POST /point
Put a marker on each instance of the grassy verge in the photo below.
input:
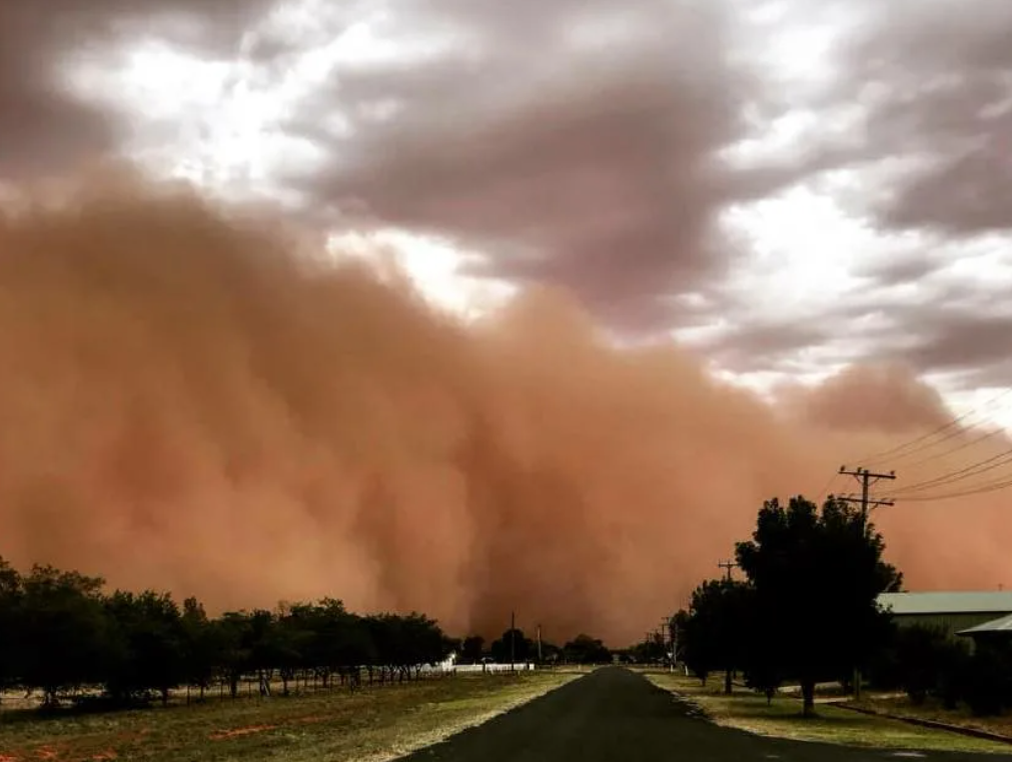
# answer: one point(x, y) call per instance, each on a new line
point(375, 724)
point(748, 711)
point(901, 706)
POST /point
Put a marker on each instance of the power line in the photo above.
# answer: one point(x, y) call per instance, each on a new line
point(974, 469)
point(976, 440)
point(825, 489)
point(980, 490)
point(897, 452)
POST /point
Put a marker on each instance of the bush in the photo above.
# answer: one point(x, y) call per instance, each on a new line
point(988, 680)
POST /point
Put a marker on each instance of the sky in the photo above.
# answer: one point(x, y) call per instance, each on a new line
point(789, 192)
point(791, 187)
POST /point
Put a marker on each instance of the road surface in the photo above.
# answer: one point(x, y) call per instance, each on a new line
point(613, 715)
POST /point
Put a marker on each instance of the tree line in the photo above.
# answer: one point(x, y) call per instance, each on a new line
point(513, 644)
point(807, 611)
point(61, 632)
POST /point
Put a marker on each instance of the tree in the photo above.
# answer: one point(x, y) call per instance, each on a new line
point(200, 646)
point(817, 576)
point(10, 603)
point(513, 644)
point(149, 655)
point(714, 634)
point(918, 651)
point(62, 636)
point(583, 649)
point(472, 648)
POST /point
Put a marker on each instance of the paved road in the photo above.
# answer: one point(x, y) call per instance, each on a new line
point(613, 715)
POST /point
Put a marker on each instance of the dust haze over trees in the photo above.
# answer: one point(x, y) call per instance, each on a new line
point(175, 373)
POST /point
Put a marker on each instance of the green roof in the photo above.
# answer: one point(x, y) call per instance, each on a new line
point(1004, 624)
point(993, 602)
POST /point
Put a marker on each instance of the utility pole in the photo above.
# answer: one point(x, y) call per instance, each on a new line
point(513, 640)
point(866, 479)
point(666, 625)
point(539, 646)
point(727, 566)
point(674, 643)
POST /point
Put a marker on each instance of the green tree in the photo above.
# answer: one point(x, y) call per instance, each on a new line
point(148, 636)
point(817, 576)
point(201, 647)
point(714, 634)
point(63, 633)
point(10, 603)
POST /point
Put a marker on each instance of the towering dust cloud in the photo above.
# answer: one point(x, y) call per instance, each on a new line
point(187, 403)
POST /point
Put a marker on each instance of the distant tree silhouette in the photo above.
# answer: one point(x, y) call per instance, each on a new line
point(472, 649)
point(524, 649)
point(146, 642)
point(62, 632)
point(715, 633)
point(816, 576)
point(200, 645)
point(10, 607)
point(583, 649)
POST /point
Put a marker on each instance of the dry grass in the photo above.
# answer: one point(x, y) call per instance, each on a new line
point(901, 706)
point(373, 725)
point(748, 711)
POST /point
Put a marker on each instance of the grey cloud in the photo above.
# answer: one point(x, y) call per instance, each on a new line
point(946, 325)
point(45, 126)
point(935, 80)
point(767, 346)
point(962, 340)
point(593, 169)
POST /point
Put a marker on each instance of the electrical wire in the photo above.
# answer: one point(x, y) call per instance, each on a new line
point(982, 489)
point(902, 450)
point(976, 440)
point(974, 469)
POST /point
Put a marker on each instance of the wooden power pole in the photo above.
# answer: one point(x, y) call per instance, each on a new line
point(513, 639)
point(727, 566)
point(866, 478)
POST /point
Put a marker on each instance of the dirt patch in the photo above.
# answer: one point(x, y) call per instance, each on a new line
point(239, 732)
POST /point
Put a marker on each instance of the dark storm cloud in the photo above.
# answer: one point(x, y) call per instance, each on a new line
point(935, 80)
point(767, 346)
point(44, 125)
point(959, 340)
point(594, 168)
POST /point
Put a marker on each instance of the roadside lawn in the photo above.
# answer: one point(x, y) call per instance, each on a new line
point(373, 724)
point(748, 711)
point(901, 706)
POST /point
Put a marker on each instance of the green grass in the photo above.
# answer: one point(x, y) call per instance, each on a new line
point(373, 724)
point(748, 711)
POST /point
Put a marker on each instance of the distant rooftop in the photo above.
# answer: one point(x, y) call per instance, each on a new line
point(993, 602)
point(995, 625)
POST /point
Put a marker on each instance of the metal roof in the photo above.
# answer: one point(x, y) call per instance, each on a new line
point(995, 625)
point(992, 602)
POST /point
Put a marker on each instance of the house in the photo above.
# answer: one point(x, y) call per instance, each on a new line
point(956, 612)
